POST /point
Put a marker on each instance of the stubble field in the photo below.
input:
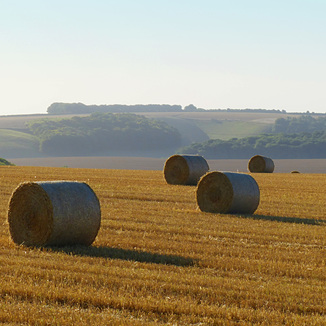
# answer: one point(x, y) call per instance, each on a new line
point(158, 260)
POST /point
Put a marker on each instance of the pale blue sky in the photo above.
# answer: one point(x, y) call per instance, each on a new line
point(268, 54)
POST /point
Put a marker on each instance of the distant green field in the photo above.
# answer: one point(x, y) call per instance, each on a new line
point(227, 129)
point(18, 144)
point(201, 126)
point(199, 130)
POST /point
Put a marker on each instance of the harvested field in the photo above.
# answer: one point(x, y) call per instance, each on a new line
point(158, 260)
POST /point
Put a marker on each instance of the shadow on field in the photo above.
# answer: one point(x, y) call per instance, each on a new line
point(125, 254)
point(284, 219)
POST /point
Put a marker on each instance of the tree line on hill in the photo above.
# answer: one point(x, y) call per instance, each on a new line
point(103, 134)
point(280, 145)
point(305, 123)
point(80, 108)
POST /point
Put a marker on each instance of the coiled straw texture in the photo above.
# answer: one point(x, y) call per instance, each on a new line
point(231, 193)
point(185, 169)
point(54, 213)
point(261, 164)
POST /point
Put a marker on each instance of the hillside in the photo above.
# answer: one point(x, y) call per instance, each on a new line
point(219, 124)
point(104, 134)
point(158, 260)
point(193, 127)
point(15, 144)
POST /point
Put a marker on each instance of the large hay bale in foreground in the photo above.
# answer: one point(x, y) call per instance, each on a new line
point(54, 213)
point(261, 164)
point(227, 192)
point(185, 169)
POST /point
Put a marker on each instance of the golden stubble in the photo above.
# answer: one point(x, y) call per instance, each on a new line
point(159, 260)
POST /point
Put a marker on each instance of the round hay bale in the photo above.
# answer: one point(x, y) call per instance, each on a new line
point(185, 169)
point(261, 164)
point(54, 213)
point(228, 193)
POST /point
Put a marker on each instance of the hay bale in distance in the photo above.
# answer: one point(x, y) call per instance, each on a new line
point(228, 193)
point(54, 213)
point(185, 169)
point(260, 164)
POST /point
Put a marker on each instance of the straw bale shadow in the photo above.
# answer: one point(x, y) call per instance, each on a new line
point(285, 219)
point(125, 254)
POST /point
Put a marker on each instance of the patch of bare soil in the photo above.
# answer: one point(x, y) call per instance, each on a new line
point(146, 163)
